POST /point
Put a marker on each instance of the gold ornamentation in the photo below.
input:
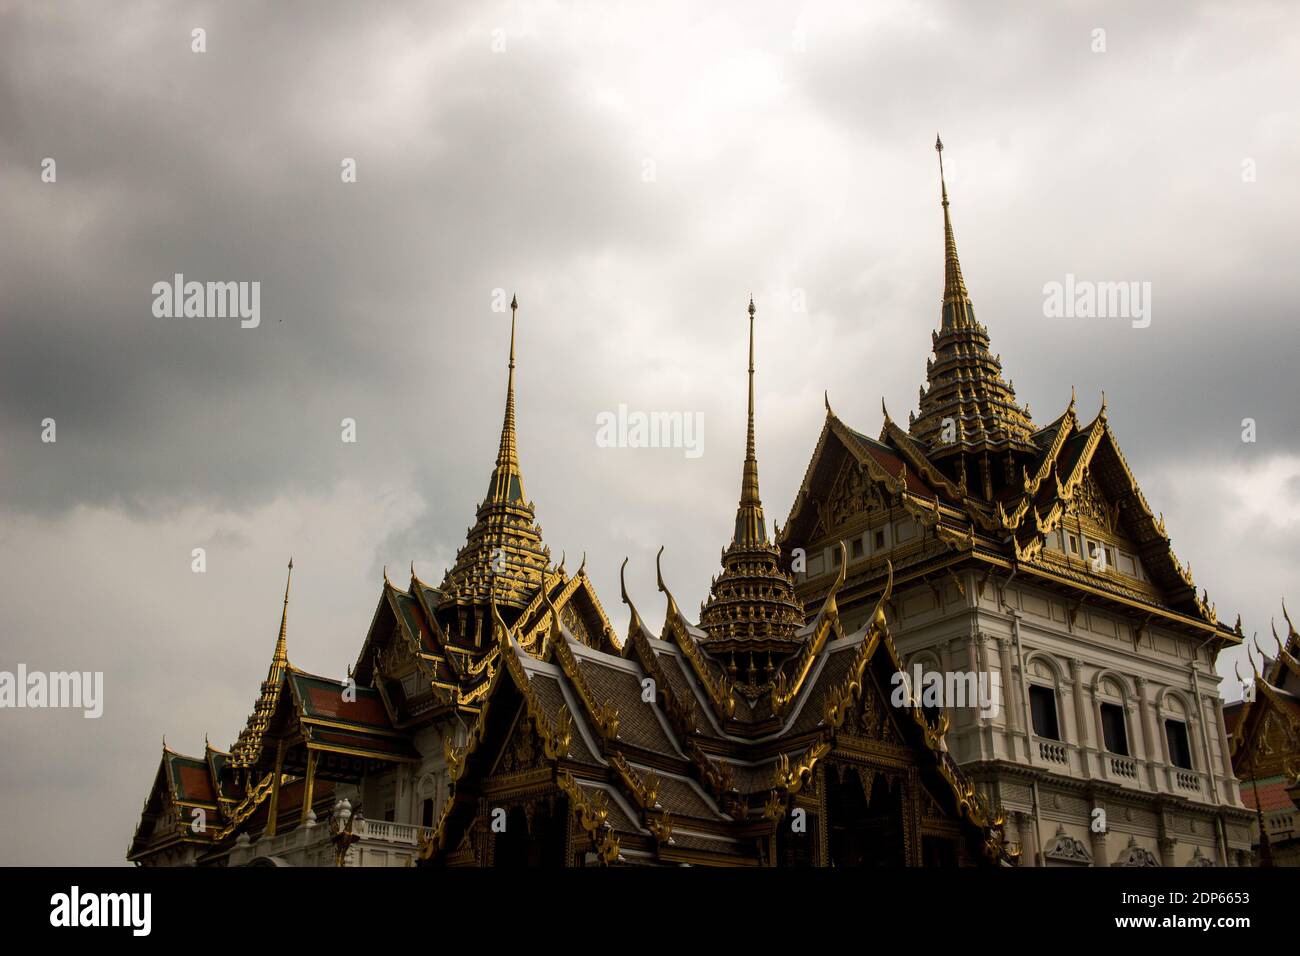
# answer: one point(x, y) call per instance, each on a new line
point(592, 813)
point(784, 692)
point(604, 716)
point(643, 787)
point(791, 779)
point(718, 688)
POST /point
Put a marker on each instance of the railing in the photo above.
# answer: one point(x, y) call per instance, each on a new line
point(1052, 752)
point(1186, 780)
point(1280, 822)
point(405, 833)
point(1124, 767)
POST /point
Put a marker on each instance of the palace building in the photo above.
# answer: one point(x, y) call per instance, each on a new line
point(499, 720)
point(1264, 731)
point(1029, 552)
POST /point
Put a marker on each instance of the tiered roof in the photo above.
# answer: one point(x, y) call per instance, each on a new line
point(752, 612)
point(669, 779)
point(968, 411)
point(997, 490)
point(504, 558)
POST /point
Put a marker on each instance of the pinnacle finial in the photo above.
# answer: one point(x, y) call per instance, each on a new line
point(507, 480)
point(282, 642)
point(957, 308)
point(943, 187)
point(750, 526)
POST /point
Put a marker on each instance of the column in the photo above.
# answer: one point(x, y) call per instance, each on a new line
point(1076, 677)
point(1011, 717)
point(1150, 750)
point(274, 809)
point(1098, 737)
point(309, 785)
point(1210, 726)
point(1027, 824)
point(1100, 851)
point(1225, 749)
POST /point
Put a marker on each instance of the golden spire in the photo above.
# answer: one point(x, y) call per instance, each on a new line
point(752, 604)
point(967, 408)
point(503, 552)
point(281, 656)
point(957, 309)
point(751, 529)
point(507, 480)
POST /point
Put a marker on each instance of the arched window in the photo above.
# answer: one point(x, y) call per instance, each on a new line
point(1177, 739)
point(1042, 699)
point(1114, 723)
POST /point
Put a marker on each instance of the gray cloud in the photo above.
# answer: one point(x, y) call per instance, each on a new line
point(776, 172)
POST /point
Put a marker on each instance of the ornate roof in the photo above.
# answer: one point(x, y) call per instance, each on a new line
point(246, 746)
point(663, 778)
point(966, 407)
point(184, 806)
point(503, 558)
point(1078, 477)
point(752, 608)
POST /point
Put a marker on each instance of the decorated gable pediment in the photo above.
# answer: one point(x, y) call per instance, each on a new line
point(873, 718)
point(523, 749)
point(1091, 505)
point(853, 495)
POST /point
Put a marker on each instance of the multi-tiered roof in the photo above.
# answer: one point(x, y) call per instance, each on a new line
point(983, 483)
point(752, 614)
point(503, 558)
point(969, 423)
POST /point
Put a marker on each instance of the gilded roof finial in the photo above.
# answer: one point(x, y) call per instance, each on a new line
point(826, 397)
point(957, 308)
point(751, 530)
point(943, 187)
point(507, 480)
point(282, 643)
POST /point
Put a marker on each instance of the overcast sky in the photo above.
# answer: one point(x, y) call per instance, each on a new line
point(633, 173)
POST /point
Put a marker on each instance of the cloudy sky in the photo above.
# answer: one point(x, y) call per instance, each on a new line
point(633, 172)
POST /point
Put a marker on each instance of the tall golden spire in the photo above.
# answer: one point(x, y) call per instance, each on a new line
point(957, 308)
point(752, 614)
point(507, 479)
point(503, 557)
point(281, 656)
point(751, 528)
point(968, 411)
point(245, 749)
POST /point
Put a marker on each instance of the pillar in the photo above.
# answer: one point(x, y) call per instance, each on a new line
point(274, 809)
point(309, 785)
